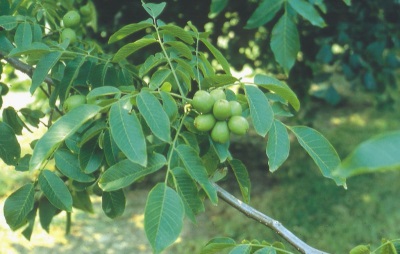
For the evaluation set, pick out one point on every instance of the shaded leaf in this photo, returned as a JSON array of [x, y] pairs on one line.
[[18, 205], [241, 249], [242, 177], [10, 150], [216, 7], [158, 78], [169, 105], [178, 32], [128, 30], [131, 48], [70, 74], [307, 11], [182, 48], [218, 55], [113, 203], [163, 217], [59, 131], [154, 10], [264, 13], [90, 156], [81, 200], [23, 35], [42, 69], [320, 150], [261, 112], [111, 149], [27, 232], [278, 145], [68, 164], [46, 213], [55, 190], [127, 133], [154, 115]]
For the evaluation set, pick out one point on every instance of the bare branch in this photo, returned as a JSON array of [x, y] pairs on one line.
[[267, 221]]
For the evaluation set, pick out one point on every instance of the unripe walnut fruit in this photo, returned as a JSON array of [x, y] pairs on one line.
[[74, 101], [238, 125], [222, 109], [218, 94], [204, 122], [202, 101], [68, 33], [71, 19], [220, 132], [236, 108]]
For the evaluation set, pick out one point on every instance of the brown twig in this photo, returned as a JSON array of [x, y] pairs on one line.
[[275, 225]]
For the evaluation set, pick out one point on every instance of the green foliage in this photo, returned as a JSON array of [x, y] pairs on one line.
[[137, 118]]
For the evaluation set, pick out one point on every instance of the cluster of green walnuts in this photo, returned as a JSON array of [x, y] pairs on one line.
[[218, 115], [71, 21]]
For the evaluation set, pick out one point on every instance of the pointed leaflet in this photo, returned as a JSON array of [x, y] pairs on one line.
[[178, 32], [169, 105], [90, 156], [27, 232], [242, 177], [377, 154], [189, 193], [59, 131], [126, 172], [279, 88], [218, 55], [307, 11], [81, 200], [154, 115], [264, 13], [215, 245], [320, 150], [131, 48], [68, 164], [216, 7], [278, 145], [23, 35], [182, 48], [128, 30], [46, 213], [158, 78], [70, 74], [261, 112], [55, 190], [197, 171], [18, 205], [42, 69], [127, 133], [241, 249], [10, 150], [113, 203], [163, 217], [222, 150], [285, 42], [154, 10]]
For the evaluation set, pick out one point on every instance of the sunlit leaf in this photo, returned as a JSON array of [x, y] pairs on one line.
[[261, 112], [278, 145], [131, 48], [128, 30], [18, 205], [320, 150], [55, 190], [127, 133], [59, 131], [178, 32], [163, 217]]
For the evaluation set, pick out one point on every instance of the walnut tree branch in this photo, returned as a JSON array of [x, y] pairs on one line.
[[267, 221]]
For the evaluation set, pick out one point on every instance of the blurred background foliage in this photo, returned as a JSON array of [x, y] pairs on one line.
[[346, 76]]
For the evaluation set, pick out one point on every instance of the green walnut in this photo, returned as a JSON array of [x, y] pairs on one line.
[[220, 132], [238, 125], [222, 109], [218, 94], [74, 101], [236, 108], [68, 33], [71, 19], [204, 122], [85, 10], [202, 101]]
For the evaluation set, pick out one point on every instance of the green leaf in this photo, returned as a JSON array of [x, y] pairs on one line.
[[154, 115], [90, 156], [5, 43], [222, 150], [154, 10], [216, 245], [241, 249], [11, 118], [261, 112], [388, 247], [158, 78], [307, 11], [131, 48], [182, 48], [36, 49], [218, 80], [23, 35], [128, 30], [8, 22], [81, 200], [55, 190], [242, 177], [68, 164], [189, 193], [27, 232], [18, 205], [196, 170], [266, 250], [347, 2], [103, 91], [126, 172], [103, 75], [10, 150], [320, 150], [59, 131], [216, 7], [70, 74], [178, 32], [113, 203], [127, 133], [377, 154], [23, 163], [163, 217], [278, 145], [46, 213], [111, 149], [279, 88], [218, 55], [169, 105], [285, 42], [42, 69], [264, 13]]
